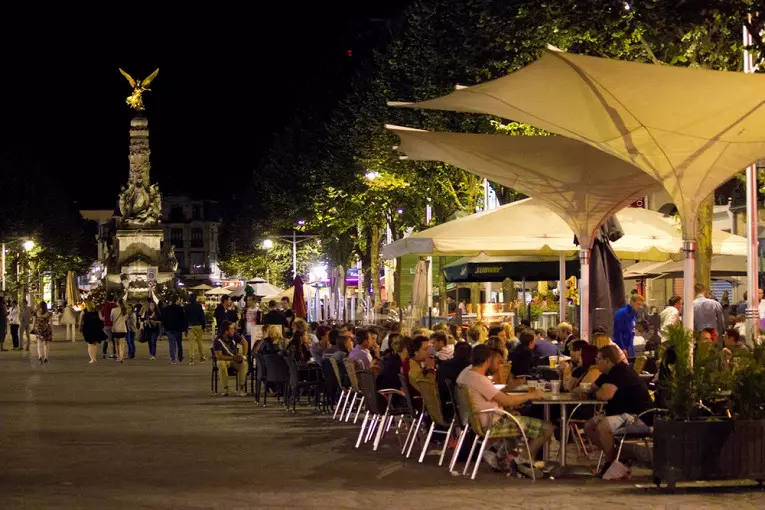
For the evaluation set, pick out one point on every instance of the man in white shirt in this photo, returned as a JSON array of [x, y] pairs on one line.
[[484, 362], [670, 315]]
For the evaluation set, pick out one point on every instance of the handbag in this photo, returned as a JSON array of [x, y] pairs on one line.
[[141, 337]]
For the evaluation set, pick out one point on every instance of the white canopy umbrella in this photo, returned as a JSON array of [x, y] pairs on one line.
[[263, 288], [419, 289], [722, 265], [528, 227], [218, 291], [675, 124], [202, 286], [308, 293]]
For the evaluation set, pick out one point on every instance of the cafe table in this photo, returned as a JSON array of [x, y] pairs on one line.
[[566, 401]]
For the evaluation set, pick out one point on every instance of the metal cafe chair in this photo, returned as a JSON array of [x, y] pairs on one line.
[[432, 403], [645, 437], [350, 369], [483, 436], [459, 414], [417, 416], [345, 390]]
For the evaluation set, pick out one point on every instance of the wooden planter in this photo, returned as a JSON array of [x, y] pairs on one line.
[[708, 450]]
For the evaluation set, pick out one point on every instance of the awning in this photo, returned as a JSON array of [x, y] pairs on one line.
[[485, 268]]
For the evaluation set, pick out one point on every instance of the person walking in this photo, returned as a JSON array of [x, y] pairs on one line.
[[14, 320], [106, 316], [92, 329], [132, 330], [174, 320], [195, 318], [3, 322], [26, 317], [151, 322], [119, 329], [44, 332]]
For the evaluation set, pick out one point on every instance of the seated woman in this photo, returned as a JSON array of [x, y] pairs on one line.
[[273, 342], [298, 347], [584, 369], [393, 363]]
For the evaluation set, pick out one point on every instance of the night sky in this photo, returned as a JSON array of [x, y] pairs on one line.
[[228, 82]]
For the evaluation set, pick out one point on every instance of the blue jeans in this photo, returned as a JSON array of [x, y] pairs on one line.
[[130, 338], [174, 339], [109, 338], [151, 337]]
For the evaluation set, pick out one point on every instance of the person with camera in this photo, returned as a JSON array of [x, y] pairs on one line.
[[231, 351]]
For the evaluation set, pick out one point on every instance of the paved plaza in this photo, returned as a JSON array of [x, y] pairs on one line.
[[146, 434]]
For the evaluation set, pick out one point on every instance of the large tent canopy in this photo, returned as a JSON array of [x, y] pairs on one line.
[[690, 129], [581, 184], [528, 227], [722, 265]]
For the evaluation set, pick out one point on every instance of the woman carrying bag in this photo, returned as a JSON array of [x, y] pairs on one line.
[[92, 329], [151, 322]]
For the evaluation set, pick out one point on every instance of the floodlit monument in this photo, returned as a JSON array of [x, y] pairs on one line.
[[140, 257]]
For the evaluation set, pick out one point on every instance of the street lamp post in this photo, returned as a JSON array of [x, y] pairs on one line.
[[295, 239]]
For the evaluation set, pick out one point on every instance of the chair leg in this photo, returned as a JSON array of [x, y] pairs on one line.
[[339, 403], [363, 427], [414, 435], [377, 422], [456, 453], [380, 431], [408, 435], [361, 404], [446, 443], [350, 409], [619, 451], [470, 457], [427, 441], [600, 461], [480, 454]]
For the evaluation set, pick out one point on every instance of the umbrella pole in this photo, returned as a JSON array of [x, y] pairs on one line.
[[752, 312], [562, 288], [584, 293]]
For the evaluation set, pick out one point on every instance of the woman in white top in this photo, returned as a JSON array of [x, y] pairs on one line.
[[119, 328]]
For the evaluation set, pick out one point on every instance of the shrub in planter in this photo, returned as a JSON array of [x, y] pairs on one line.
[[694, 442]]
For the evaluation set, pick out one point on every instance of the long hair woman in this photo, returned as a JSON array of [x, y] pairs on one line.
[[44, 332], [92, 329], [585, 369], [119, 328]]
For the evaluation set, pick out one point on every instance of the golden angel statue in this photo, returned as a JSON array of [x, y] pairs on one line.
[[135, 100]]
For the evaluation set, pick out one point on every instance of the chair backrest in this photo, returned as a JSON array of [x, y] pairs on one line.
[[407, 393], [330, 377], [336, 369], [639, 364], [374, 401], [276, 368], [293, 369], [465, 403], [503, 375], [453, 401], [431, 400], [213, 357], [260, 365], [350, 369]]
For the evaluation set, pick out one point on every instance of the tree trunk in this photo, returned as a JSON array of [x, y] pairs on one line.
[[397, 283], [703, 272], [442, 306], [374, 265]]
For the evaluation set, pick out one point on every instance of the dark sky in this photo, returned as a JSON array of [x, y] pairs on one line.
[[229, 79]]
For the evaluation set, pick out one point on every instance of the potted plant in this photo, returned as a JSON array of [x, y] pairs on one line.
[[715, 426]]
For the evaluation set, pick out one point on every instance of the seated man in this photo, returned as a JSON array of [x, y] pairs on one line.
[[227, 355], [360, 354], [544, 348], [626, 396], [421, 365], [522, 358], [440, 343], [484, 362]]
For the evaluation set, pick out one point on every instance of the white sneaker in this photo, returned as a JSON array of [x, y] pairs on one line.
[[152, 358], [91, 361], [241, 393]]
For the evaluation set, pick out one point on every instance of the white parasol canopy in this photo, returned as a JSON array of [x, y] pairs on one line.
[[263, 288], [202, 286], [218, 291], [527, 227], [308, 293], [722, 265], [419, 289]]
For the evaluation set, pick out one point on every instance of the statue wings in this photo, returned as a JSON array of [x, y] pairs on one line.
[[129, 78], [146, 81]]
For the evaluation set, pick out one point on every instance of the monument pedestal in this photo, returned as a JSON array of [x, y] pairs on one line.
[[138, 253]]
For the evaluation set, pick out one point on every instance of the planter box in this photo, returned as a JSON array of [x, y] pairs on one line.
[[708, 450]]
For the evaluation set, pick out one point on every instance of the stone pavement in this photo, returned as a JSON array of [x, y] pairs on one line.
[[148, 435]]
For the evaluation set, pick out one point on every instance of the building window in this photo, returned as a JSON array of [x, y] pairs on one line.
[[196, 212], [197, 238], [176, 237], [176, 214], [198, 263]]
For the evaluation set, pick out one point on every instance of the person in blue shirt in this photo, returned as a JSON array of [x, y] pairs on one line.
[[624, 324]]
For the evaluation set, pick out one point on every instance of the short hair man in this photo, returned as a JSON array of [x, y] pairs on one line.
[[228, 354], [289, 315], [360, 353], [334, 335], [626, 396], [484, 396], [670, 315], [544, 348], [498, 331], [440, 343], [522, 358], [624, 323], [565, 337], [421, 365], [274, 316], [707, 313], [220, 314]]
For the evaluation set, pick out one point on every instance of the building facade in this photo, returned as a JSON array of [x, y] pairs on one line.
[[192, 228]]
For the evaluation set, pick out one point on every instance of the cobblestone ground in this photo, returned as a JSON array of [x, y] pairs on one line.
[[147, 434]]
